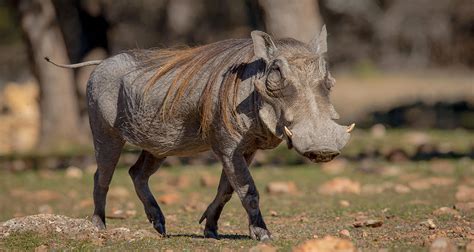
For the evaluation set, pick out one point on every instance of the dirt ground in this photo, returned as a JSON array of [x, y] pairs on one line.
[[369, 202]]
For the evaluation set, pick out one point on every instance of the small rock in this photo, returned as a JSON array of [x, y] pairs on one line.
[[344, 203], [209, 180], [465, 193], [464, 206], [429, 223], [42, 248], [328, 243], [118, 193], [345, 233], [340, 185], [446, 211], [378, 130], [281, 187], [168, 199], [470, 247], [420, 184], [442, 244], [442, 167], [73, 172], [45, 209], [399, 188], [262, 247], [368, 223], [273, 213], [374, 223], [117, 214]]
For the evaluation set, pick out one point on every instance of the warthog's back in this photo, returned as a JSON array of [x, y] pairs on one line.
[[157, 101]]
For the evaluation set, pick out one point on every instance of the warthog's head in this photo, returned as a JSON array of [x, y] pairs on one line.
[[295, 92]]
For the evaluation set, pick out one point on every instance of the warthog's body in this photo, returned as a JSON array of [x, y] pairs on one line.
[[232, 97]]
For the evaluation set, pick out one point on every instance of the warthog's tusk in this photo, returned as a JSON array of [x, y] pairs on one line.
[[350, 128], [288, 132]]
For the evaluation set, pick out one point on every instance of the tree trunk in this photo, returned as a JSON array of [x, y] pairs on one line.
[[298, 19], [59, 110]]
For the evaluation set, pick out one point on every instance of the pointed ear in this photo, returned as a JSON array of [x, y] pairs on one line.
[[319, 43], [263, 45]]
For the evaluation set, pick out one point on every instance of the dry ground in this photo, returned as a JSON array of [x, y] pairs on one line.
[[314, 201]]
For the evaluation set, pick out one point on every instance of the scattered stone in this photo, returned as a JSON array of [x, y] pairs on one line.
[[118, 193], [263, 247], [45, 209], [168, 199], [73, 172], [417, 138], [281, 187], [464, 206], [420, 184], [446, 211], [465, 193], [273, 213], [442, 244], [328, 243], [334, 167], [344, 203], [378, 130], [390, 171], [376, 188], [368, 223], [399, 188], [209, 180], [340, 185], [46, 224], [426, 183], [429, 224], [181, 182], [470, 246], [398, 156], [345, 233], [117, 214], [42, 248], [442, 167]]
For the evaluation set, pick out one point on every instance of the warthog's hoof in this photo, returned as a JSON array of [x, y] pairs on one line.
[[210, 233], [260, 234], [97, 221], [160, 227]]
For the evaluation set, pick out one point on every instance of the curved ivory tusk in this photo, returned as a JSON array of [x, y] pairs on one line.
[[288, 132], [350, 128]]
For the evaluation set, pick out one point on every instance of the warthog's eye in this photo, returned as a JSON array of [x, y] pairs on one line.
[[274, 75]]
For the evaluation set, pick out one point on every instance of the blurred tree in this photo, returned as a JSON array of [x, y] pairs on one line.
[[58, 101], [294, 19]]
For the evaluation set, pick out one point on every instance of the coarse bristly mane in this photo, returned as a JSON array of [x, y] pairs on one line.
[[228, 58]]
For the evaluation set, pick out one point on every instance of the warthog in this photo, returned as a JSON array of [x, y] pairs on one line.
[[233, 97]]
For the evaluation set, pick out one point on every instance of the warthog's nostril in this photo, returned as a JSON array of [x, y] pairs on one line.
[[321, 156]]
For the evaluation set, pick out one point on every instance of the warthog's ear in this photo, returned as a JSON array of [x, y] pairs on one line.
[[263, 45], [319, 43]]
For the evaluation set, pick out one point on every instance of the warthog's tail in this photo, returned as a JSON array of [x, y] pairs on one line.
[[72, 66]]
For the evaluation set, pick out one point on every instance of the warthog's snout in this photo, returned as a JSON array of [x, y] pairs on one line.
[[325, 155]]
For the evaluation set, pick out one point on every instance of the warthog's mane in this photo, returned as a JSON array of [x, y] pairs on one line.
[[227, 59]]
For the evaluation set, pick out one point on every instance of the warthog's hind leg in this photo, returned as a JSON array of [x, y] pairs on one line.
[[140, 172], [214, 210]]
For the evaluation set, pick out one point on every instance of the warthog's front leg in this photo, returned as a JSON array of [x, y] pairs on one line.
[[140, 172], [214, 210], [238, 174]]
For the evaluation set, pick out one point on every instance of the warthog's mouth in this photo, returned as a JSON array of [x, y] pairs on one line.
[[321, 156]]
